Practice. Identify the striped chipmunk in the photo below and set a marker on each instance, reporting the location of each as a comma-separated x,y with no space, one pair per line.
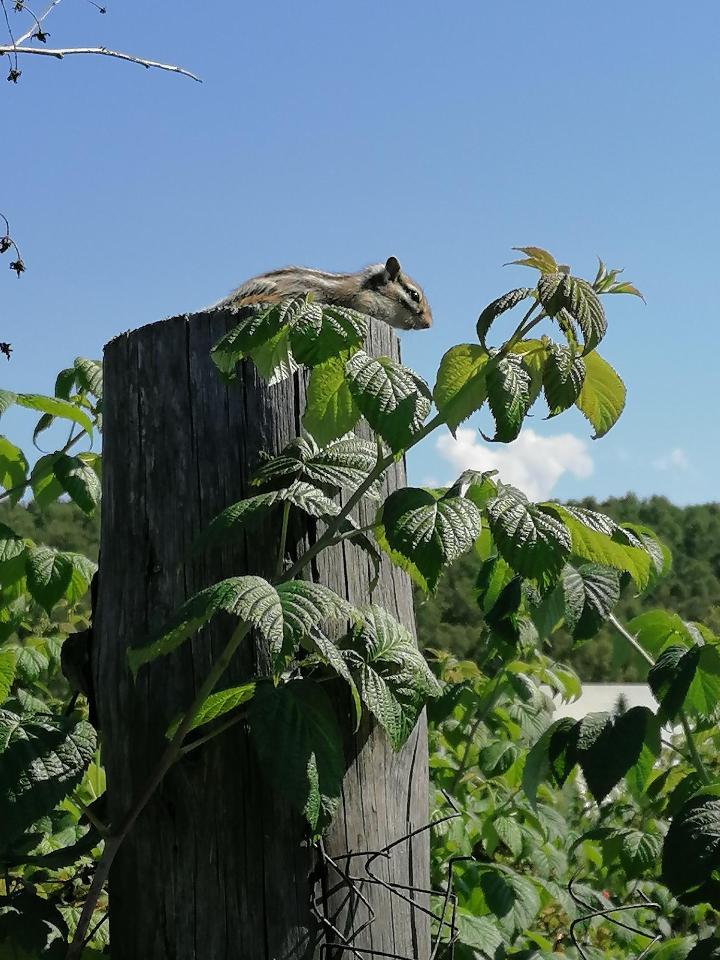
382,291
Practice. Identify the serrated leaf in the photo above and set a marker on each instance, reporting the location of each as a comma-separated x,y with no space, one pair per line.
691,852
563,377
478,933
54,574
591,592
64,383
46,487
533,543
649,541
299,745
461,387
89,376
537,761
511,897
321,332
216,705
247,514
55,407
11,545
499,306
599,540
334,658
671,676
8,666
534,355
274,359
561,292
42,761
602,397
79,481
330,410
393,399
537,258
251,599
257,325
497,758
423,533
657,630
703,698
306,605
508,385
509,832
607,748
13,469
707,949
343,463
640,852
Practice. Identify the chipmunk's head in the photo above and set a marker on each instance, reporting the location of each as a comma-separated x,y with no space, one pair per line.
390,295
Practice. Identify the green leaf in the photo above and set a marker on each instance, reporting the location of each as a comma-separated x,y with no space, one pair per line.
306,605
45,485
216,705
563,377
534,544
343,463
461,386
89,376
561,292
393,678
79,480
247,514
499,306
334,658
640,852
508,385
41,761
330,410
11,545
257,325
657,630
479,933
707,949
602,397
56,407
510,834
54,574
639,774
251,599
534,356
703,698
423,533
13,469
497,758
671,676
607,748
511,897
394,400
274,359
299,746
537,761
691,852
321,332
591,592
8,666
599,539
64,383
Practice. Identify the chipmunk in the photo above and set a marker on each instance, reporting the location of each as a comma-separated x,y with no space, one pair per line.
382,290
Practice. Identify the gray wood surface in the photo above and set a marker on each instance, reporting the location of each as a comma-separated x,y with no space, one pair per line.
217,866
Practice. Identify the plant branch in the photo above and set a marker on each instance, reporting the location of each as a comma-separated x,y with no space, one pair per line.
283,539
38,20
170,755
60,53
26,483
215,732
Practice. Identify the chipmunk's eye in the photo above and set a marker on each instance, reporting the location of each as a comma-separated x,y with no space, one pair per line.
415,294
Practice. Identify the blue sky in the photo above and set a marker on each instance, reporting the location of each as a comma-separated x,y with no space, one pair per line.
335,134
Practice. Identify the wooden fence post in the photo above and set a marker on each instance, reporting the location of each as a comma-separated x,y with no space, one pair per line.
218,867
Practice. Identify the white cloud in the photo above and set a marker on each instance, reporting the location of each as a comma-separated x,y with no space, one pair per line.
675,460
532,462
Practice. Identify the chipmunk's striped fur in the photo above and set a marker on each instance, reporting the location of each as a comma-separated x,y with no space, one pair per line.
382,290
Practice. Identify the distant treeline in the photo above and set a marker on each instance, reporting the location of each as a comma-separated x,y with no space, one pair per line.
692,589
451,619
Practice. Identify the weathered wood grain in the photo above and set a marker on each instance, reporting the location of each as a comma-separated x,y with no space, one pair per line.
217,867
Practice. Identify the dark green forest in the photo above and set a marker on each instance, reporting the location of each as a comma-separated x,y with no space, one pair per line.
451,619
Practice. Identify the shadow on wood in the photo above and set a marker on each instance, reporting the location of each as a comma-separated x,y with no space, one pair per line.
217,867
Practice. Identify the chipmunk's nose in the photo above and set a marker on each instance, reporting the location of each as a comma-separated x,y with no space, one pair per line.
424,322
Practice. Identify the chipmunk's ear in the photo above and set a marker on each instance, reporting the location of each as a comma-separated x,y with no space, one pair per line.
392,265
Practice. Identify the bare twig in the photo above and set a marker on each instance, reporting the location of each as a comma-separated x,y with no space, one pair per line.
60,53
38,20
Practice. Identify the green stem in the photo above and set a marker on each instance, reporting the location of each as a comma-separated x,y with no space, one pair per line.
283,539
692,749
483,711
168,758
